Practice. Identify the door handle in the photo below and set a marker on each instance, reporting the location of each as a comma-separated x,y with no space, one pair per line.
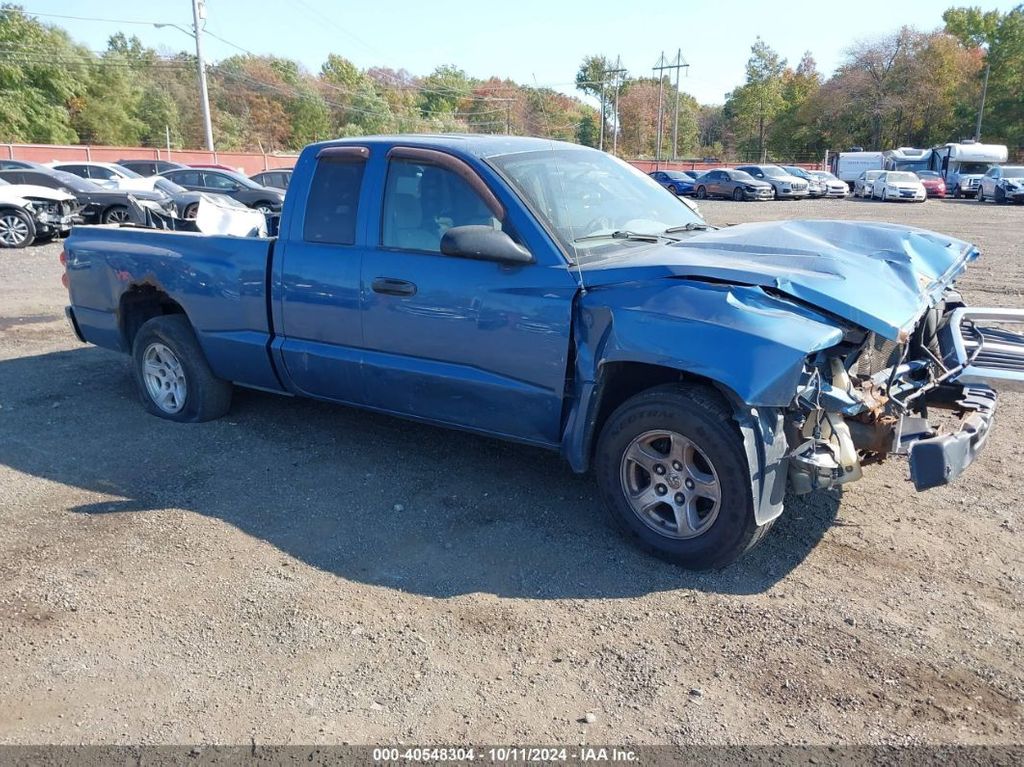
392,287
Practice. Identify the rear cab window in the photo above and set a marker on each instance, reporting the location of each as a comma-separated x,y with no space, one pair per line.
332,210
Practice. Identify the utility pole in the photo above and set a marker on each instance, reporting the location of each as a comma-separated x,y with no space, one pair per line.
600,142
661,66
661,88
618,72
199,12
981,109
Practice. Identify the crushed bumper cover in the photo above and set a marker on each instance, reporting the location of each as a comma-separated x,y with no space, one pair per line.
939,460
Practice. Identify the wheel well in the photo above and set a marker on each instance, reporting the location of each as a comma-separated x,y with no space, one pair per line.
140,304
622,380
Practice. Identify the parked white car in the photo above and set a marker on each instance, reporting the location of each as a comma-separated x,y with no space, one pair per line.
29,212
898,185
106,174
865,183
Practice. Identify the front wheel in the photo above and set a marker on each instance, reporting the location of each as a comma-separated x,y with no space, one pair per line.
172,374
673,473
264,208
981,195
702,193
117,214
737,194
17,229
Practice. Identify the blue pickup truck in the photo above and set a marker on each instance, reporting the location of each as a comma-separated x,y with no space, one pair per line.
551,294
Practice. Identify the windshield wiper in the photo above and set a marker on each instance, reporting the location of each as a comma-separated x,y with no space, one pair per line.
693,226
625,234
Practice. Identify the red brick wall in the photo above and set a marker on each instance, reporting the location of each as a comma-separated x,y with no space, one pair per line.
247,162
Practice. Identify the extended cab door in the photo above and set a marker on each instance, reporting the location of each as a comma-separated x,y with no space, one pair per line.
316,279
466,342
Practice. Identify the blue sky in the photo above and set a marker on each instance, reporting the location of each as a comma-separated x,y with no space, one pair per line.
532,41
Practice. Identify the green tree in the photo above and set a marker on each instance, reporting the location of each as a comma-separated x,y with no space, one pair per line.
999,37
755,105
443,90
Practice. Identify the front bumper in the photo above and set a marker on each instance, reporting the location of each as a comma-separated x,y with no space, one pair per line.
791,194
938,460
760,194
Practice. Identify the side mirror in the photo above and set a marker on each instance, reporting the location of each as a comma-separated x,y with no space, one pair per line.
483,243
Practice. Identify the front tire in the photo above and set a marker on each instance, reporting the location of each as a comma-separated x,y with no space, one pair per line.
737,194
172,375
17,229
672,471
981,195
116,214
702,193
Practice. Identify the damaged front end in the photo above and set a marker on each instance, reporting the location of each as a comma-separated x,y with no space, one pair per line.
868,397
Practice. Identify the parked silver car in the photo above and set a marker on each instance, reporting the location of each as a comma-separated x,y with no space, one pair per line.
1002,183
784,185
865,183
834,187
735,184
815,186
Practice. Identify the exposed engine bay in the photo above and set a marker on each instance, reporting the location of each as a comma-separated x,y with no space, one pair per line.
869,397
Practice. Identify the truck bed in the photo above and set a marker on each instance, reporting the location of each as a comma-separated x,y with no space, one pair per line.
220,282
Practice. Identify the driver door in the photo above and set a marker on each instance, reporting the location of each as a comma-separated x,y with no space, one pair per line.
465,342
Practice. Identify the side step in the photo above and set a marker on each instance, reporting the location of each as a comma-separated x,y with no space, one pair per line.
990,346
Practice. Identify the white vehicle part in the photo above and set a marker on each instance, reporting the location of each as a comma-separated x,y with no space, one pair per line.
214,218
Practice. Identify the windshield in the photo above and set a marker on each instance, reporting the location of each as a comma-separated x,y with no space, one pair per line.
583,192
676,175
902,178
76,183
166,185
871,175
237,177
741,175
824,175
1013,171
798,172
975,167
774,171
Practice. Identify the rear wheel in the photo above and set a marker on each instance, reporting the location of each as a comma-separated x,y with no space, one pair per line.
172,374
737,194
673,473
17,229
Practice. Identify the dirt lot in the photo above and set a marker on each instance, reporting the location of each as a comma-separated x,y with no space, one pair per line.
302,573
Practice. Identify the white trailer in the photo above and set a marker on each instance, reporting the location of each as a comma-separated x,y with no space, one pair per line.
847,166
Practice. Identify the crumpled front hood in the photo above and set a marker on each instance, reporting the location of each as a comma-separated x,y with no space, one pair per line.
878,276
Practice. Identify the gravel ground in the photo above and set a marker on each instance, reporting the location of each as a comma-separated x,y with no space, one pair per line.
302,573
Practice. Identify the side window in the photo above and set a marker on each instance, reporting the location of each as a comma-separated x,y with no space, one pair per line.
100,173
423,201
78,170
333,205
186,178
217,181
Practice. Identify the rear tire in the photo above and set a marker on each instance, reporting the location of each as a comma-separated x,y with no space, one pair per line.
17,229
172,375
686,435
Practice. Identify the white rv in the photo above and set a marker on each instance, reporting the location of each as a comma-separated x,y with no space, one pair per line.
847,166
962,165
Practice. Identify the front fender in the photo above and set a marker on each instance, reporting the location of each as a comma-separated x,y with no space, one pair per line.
750,344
